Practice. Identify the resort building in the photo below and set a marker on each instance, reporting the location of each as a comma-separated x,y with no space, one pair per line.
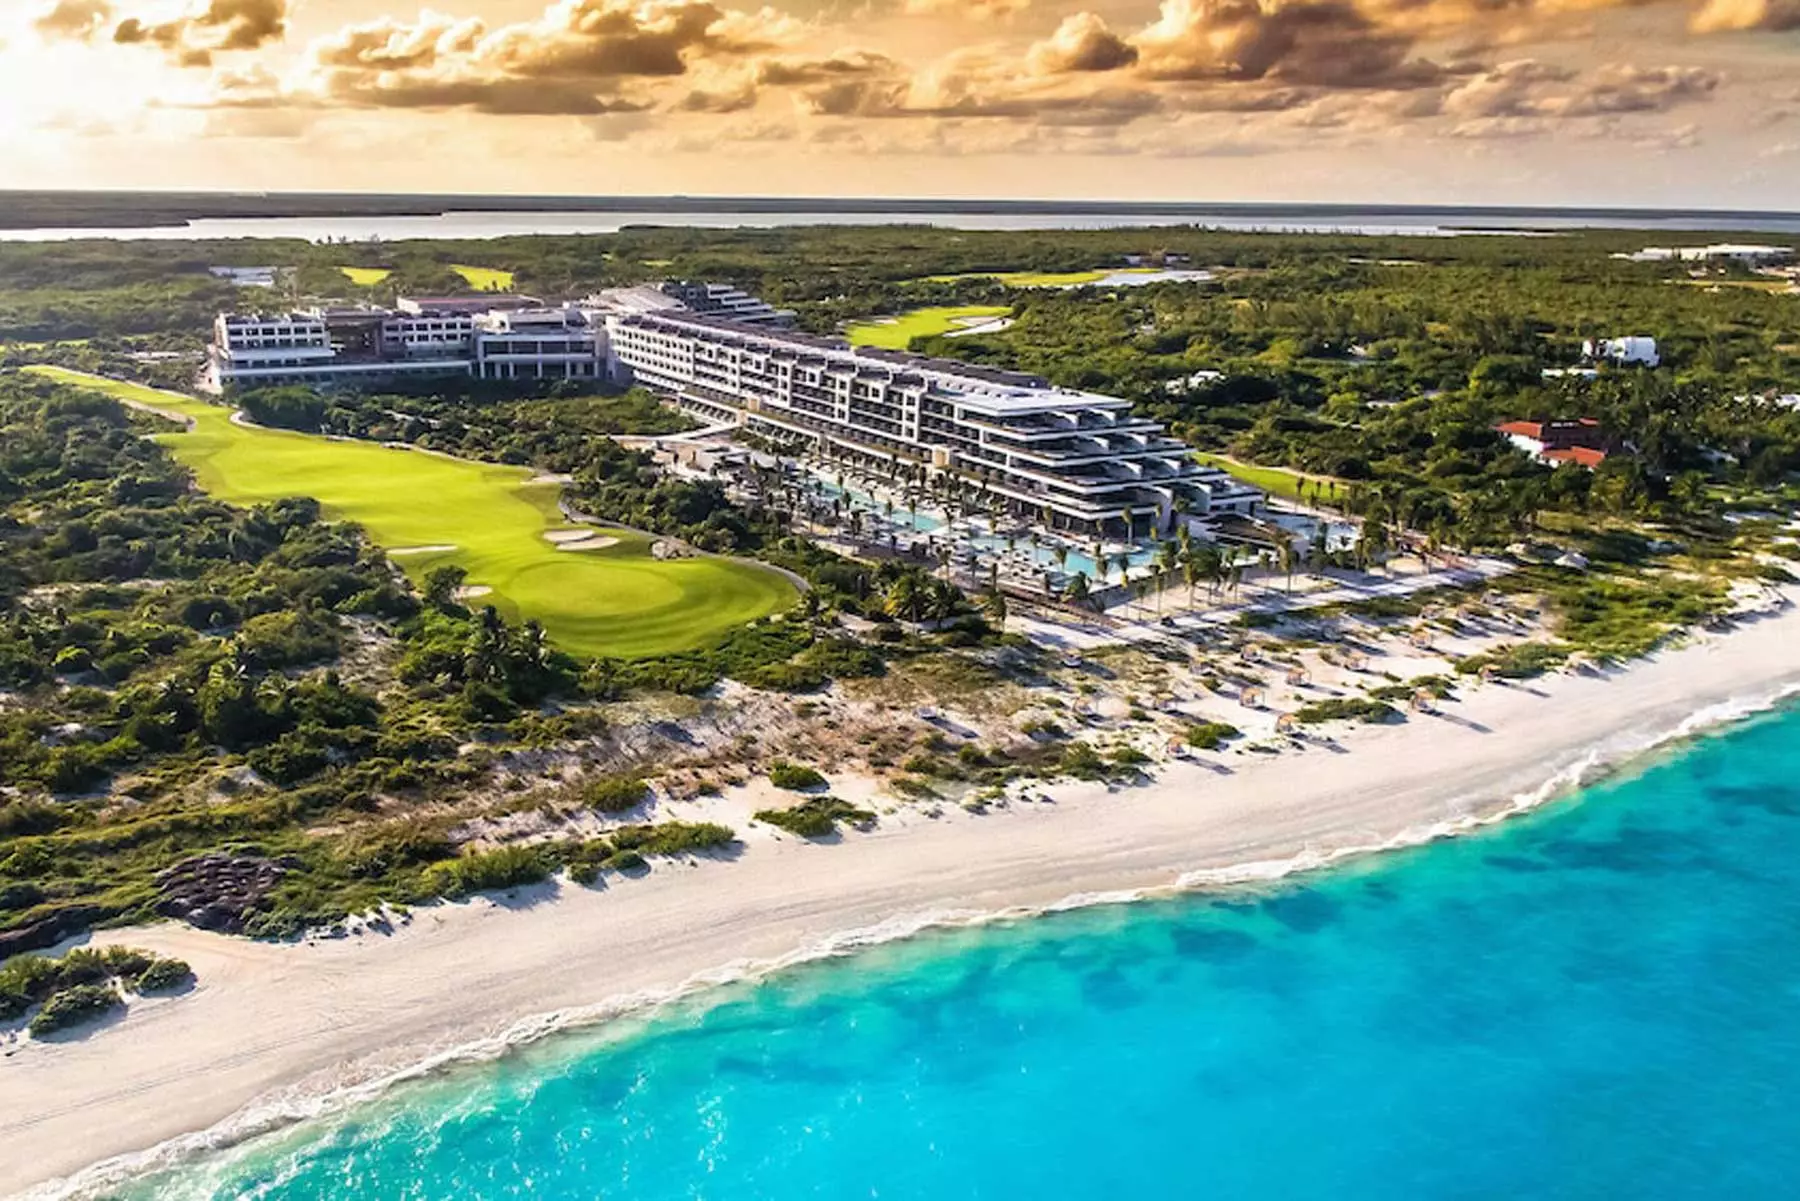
1076,460
1581,441
497,338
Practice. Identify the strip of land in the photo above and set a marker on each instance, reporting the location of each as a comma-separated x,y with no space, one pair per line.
271,1024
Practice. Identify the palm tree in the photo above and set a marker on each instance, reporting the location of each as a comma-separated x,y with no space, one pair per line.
904,598
1077,592
993,604
1285,549
942,600
1168,558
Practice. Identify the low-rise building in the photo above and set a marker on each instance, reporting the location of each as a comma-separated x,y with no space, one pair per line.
1636,349
419,339
1580,441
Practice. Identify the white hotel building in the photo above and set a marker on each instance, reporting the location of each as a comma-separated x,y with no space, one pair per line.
488,339
1081,458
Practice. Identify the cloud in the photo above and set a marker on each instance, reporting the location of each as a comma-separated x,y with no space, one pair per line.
1323,43
974,10
1724,16
1081,43
76,20
835,68
1618,88
573,59
218,25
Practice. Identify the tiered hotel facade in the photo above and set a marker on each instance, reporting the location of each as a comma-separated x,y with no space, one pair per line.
1079,460
1076,460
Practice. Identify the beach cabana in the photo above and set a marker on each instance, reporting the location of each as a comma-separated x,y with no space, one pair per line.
1251,697
1422,700
1298,676
1288,724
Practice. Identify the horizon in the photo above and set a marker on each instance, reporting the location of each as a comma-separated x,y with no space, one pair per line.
871,201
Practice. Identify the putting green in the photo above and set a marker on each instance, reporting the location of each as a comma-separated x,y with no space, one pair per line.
896,333
491,520
485,279
365,277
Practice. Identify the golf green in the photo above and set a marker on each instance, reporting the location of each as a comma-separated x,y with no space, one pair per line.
491,520
896,333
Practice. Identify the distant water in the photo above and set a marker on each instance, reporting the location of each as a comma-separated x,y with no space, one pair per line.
1597,1001
1272,219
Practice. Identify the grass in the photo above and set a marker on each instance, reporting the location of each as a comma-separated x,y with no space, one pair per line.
366,277
898,332
1277,481
617,601
485,279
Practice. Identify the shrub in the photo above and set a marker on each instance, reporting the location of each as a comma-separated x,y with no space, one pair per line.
1346,709
1520,662
795,777
487,871
160,976
73,1006
1210,735
617,793
815,818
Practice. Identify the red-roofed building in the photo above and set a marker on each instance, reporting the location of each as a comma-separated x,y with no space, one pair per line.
1581,441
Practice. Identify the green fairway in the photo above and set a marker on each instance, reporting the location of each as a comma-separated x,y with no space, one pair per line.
1276,481
365,277
485,279
490,520
896,332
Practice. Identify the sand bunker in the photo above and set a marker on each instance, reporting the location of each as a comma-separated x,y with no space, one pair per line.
471,591
591,542
435,549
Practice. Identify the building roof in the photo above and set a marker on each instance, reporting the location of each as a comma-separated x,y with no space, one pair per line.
1584,456
1522,429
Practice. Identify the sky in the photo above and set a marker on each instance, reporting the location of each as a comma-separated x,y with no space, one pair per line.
1667,103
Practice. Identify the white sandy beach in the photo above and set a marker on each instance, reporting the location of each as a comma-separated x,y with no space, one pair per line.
271,1028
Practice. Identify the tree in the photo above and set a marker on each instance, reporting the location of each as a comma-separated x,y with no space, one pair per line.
442,584
993,605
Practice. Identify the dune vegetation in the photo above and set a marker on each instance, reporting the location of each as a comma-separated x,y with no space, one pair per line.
599,595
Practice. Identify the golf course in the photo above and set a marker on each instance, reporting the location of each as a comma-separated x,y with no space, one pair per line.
596,591
896,333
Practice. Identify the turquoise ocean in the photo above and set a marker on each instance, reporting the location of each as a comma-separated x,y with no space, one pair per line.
1597,1000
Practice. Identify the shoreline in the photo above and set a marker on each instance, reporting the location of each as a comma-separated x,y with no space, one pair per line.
279,1032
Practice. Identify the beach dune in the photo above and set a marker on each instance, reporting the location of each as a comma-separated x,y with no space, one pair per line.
273,1028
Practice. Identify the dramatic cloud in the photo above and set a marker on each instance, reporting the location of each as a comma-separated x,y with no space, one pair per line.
1081,43
74,19
573,59
1721,16
975,10
1323,43
219,25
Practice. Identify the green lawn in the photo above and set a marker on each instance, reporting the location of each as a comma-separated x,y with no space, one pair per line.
615,601
485,279
1276,481
895,333
365,277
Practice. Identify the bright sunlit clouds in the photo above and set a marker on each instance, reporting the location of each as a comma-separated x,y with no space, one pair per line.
1665,102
